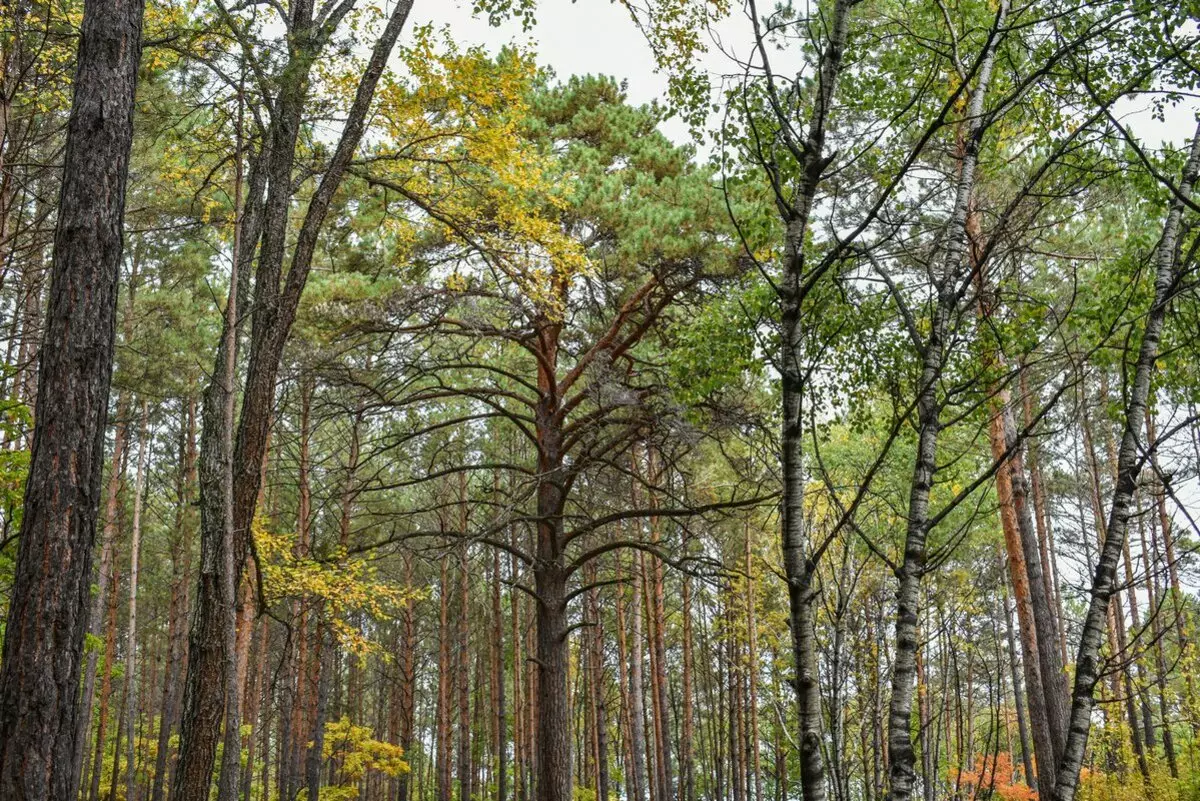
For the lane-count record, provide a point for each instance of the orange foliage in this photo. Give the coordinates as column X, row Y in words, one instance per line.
column 993, row 774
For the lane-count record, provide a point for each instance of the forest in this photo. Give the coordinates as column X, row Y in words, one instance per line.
column 385, row 415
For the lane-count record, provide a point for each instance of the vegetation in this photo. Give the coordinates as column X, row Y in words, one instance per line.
column 384, row 417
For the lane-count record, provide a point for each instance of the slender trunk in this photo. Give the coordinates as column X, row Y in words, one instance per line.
column 177, row 626
column 1087, row 664
column 1018, row 694
column 110, row 656
column 443, row 689
column 324, row 680
column 687, row 770
column 1160, row 662
column 500, row 718
column 637, row 714
column 1045, row 529
column 108, row 543
column 135, row 549
column 227, row 514
column 752, row 670
column 462, row 646
column 595, row 655
column 797, row 562
column 912, row 567
column 212, row 629
column 408, row 679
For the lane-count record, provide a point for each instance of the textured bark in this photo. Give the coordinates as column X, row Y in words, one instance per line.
column 1129, row 463
column 902, row 770
column 599, row 711
column 798, row 562
column 407, row 676
column 1043, row 741
column 462, row 646
column 442, row 735
column 1156, row 631
column 1045, row 530
column 752, row 672
column 636, row 698
column 110, row 656
column 687, row 767
column 211, row 630
column 1018, row 696
column 96, row 618
column 500, row 716
column 520, row 791
column 274, row 310
column 47, row 614
column 312, row 768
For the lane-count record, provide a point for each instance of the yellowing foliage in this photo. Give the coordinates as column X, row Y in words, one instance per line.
column 346, row 586
column 356, row 754
column 454, row 144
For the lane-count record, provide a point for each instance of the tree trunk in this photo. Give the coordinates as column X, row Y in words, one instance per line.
column 444, row 752
column 47, row 613
column 177, row 625
column 637, row 714
column 110, row 656
column 135, row 548
column 96, row 616
column 1087, row 664
column 274, row 311
column 798, row 563
column 408, row 679
column 911, row 570
column 687, row 772
column 1018, row 695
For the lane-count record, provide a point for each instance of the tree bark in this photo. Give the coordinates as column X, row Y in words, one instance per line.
column 177, row 613
column 274, row 311
column 902, row 771
column 1129, row 463
column 798, row 562
column 47, row 614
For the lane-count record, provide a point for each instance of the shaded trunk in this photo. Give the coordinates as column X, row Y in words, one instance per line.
column 407, row 677
column 442, row 735
column 181, row 567
column 108, row 543
column 47, row 613
column 228, row 519
column 1018, row 696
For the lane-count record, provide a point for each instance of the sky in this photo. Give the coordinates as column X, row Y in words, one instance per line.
column 598, row 37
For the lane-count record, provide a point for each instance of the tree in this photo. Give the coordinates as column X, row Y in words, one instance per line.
column 44, row 633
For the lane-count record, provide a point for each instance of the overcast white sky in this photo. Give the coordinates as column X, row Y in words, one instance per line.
column 597, row 36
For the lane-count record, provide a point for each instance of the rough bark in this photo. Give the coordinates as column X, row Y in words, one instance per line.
column 1018, row 696
column 274, row 310
column 108, row 534
column 47, row 615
